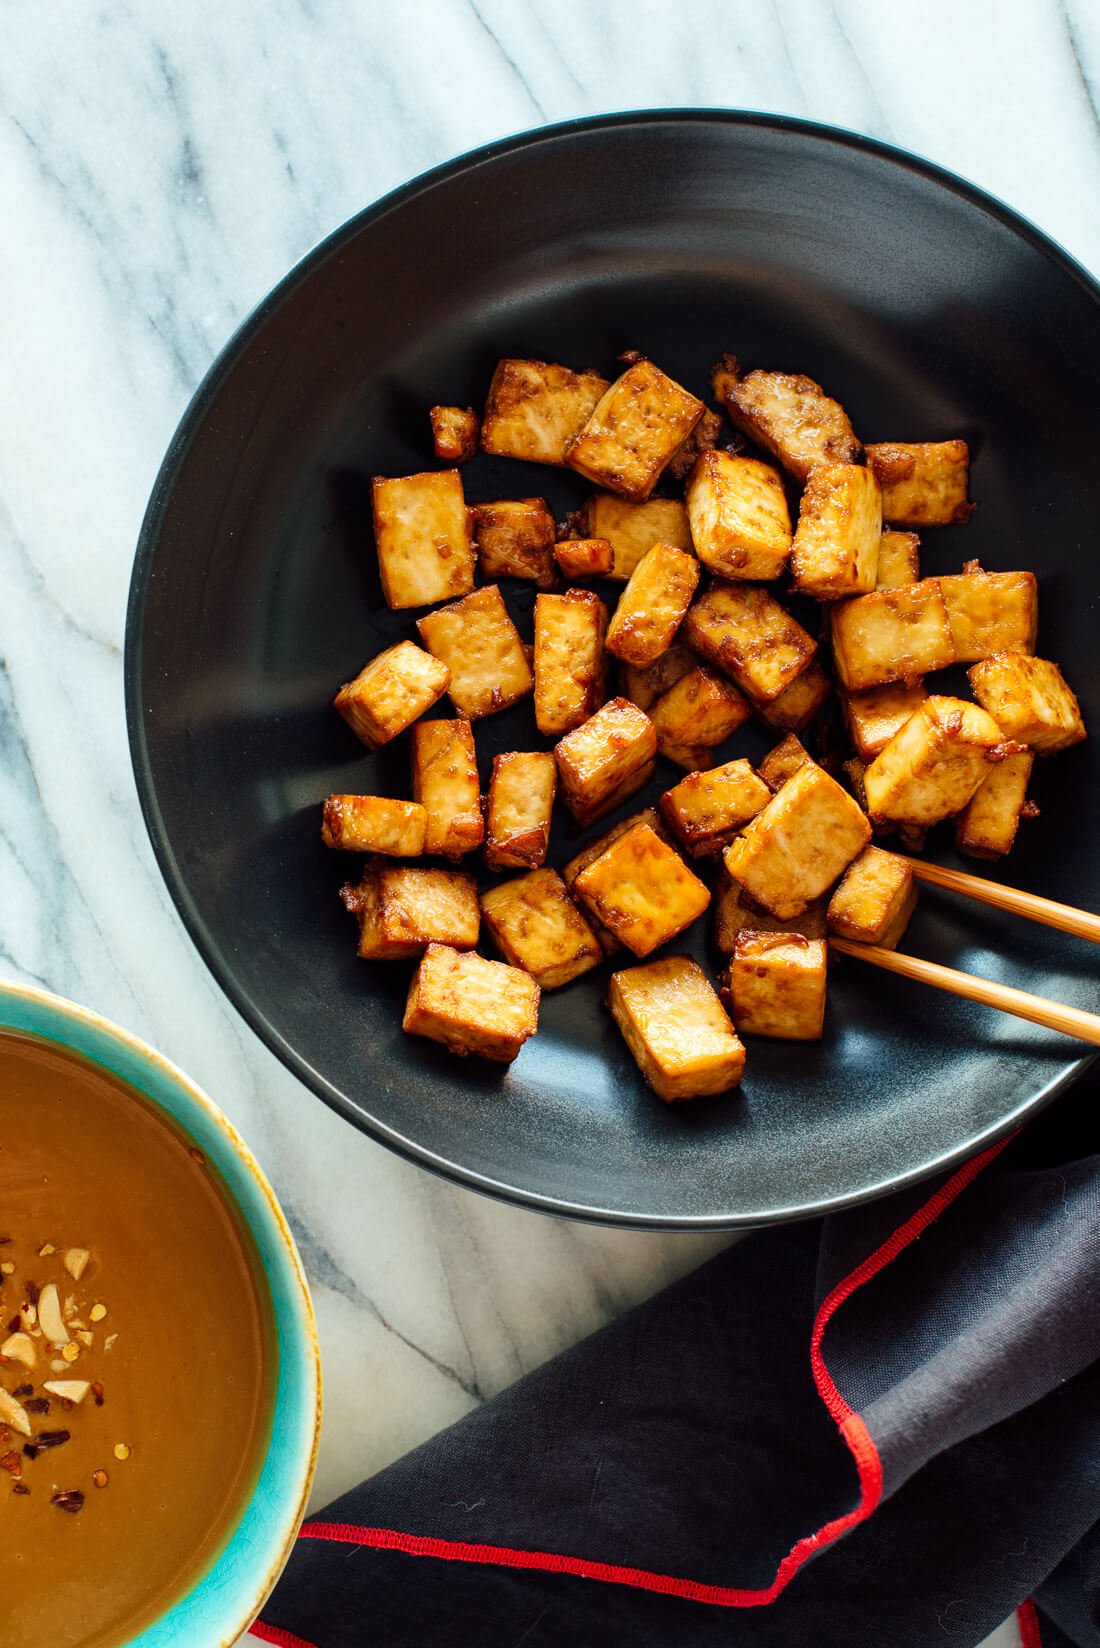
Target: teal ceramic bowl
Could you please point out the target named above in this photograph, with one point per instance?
(224, 1601)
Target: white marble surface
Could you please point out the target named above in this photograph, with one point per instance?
(161, 165)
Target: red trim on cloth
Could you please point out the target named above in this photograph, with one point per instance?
(276, 1635)
(852, 1429)
(1027, 1621)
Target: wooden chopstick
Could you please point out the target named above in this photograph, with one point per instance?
(1071, 1021)
(1063, 916)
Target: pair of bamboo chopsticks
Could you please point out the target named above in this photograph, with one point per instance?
(1071, 1021)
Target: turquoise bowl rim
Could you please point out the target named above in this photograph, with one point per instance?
(226, 1598)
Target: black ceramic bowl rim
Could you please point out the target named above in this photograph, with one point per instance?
(149, 536)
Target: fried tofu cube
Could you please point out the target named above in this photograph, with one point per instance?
(537, 927)
(991, 612)
(735, 912)
(836, 543)
(584, 557)
(632, 529)
(421, 531)
(454, 433)
(570, 666)
(703, 438)
(644, 686)
(898, 559)
(783, 762)
(641, 890)
(875, 900)
(892, 635)
(676, 1029)
(777, 985)
(874, 715)
(391, 691)
(744, 631)
(932, 766)
(791, 416)
(445, 782)
(374, 824)
(705, 810)
(923, 482)
(604, 760)
(521, 800)
(1030, 700)
(801, 842)
(535, 408)
(987, 825)
(471, 1005)
(588, 854)
(402, 908)
(797, 704)
(699, 712)
(653, 605)
(634, 430)
(481, 647)
(740, 523)
(515, 539)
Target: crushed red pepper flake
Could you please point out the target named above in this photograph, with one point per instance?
(97, 1393)
(11, 1463)
(15, 1324)
(33, 1293)
(37, 1404)
(20, 1488)
(23, 1390)
(71, 1500)
(100, 1478)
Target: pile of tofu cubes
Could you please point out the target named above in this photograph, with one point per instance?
(701, 643)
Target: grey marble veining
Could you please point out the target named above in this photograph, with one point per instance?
(161, 165)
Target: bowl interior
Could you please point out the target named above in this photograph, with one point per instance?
(927, 311)
(224, 1600)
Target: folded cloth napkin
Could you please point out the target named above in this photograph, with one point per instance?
(880, 1430)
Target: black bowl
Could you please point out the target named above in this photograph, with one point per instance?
(927, 308)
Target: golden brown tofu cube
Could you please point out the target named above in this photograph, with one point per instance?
(892, 635)
(797, 704)
(374, 824)
(537, 927)
(804, 839)
(874, 715)
(744, 630)
(515, 539)
(402, 908)
(875, 900)
(521, 799)
(391, 691)
(676, 1028)
(634, 430)
(584, 557)
(793, 418)
(933, 765)
(421, 530)
(705, 810)
(644, 686)
(923, 482)
(652, 606)
(535, 408)
(783, 762)
(699, 712)
(632, 529)
(836, 543)
(987, 825)
(454, 433)
(588, 854)
(898, 559)
(445, 782)
(605, 759)
(703, 438)
(1030, 700)
(641, 890)
(777, 986)
(740, 523)
(471, 1005)
(991, 612)
(570, 667)
(481, 647)
(735, 912)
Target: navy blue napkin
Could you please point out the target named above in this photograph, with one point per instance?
(880, 1430)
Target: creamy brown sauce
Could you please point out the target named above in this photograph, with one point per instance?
(183, 1389)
